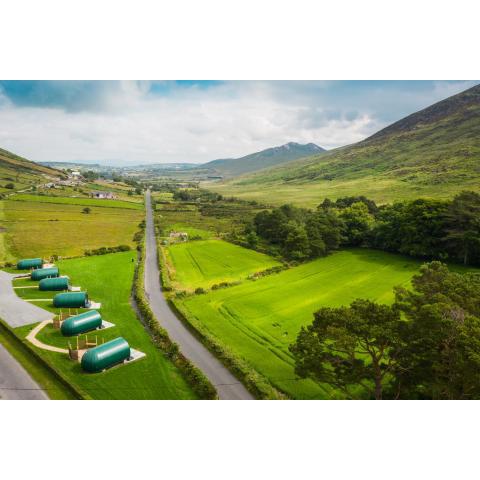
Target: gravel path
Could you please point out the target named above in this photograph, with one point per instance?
(228, 387)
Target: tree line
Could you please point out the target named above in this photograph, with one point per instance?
(424, 228)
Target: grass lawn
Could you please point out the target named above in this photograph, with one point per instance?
(259, 319)
(108, 279)
(35, 229)
(202, 263)
(89, 202)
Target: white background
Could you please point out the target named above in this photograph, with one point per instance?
(245, 39)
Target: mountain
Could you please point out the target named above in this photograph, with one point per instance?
(432, 153)
(230, 167)
(22, 173)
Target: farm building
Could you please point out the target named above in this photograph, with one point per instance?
(104, 195)
(107, 355)
(52, 284)
(71, 300)
(182, 236)
(41, 273)
(28, 263)
(84, 322)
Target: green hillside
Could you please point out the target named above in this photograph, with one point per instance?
(266, 158)
(21, 173)
(431, 153)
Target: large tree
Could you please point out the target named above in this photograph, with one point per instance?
(441, 358)
(354, 349)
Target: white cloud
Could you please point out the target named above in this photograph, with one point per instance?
(127, 123)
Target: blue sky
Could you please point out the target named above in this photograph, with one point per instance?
(127, 122)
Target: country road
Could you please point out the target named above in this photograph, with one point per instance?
(15, 382)
(228, 387)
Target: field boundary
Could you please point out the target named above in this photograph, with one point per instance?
(76, 392)
(194, 376)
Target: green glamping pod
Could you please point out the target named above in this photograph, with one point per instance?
(28, 263)
(84, 322)
(70, 300)
(104, 356)
(57, 283)
(41, 273)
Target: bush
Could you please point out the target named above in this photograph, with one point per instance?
(105, 250)
(10, 186)
(200, 291)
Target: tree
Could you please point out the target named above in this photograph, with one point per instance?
(415, 228)
(441, 357)
(463, 227)
(357, 223)
(252, 239)
(354, 349)
(10, 186)
(86, 210)
(296, 245)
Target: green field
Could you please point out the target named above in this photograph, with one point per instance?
(108, 279)
(259, 319)
(205, 262)
(89, 202)
(32, 229)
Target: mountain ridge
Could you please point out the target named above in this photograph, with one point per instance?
(434, 152)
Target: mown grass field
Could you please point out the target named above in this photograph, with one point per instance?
(258, 320)
(203, 263)
(84, 201)
(108, 279)
(37, 229)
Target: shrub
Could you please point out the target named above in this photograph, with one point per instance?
(200, 291)
(10, 186)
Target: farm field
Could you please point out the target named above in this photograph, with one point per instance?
(40, 229)
(89, 202)
(258, 320)
(108, 279)
(203, 263)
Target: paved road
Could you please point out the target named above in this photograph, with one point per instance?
(15, 311)
(228, 387)
(15, 382)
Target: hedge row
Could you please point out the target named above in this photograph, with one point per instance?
(105, 250)
(77, 392)
(255, 383)
(196, 379)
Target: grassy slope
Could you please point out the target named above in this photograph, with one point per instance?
(259, 320)
(434, 153)
(203, 263)
(108, 279)
(43, 229)
(21, 172)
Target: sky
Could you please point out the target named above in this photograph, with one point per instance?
(140, 122)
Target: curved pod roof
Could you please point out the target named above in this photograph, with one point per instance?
(41, 273)
(106, 355)
(84, 322)
(28, 263)
(71, 300)
(57, 283)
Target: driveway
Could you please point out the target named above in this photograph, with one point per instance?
(15, 311)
